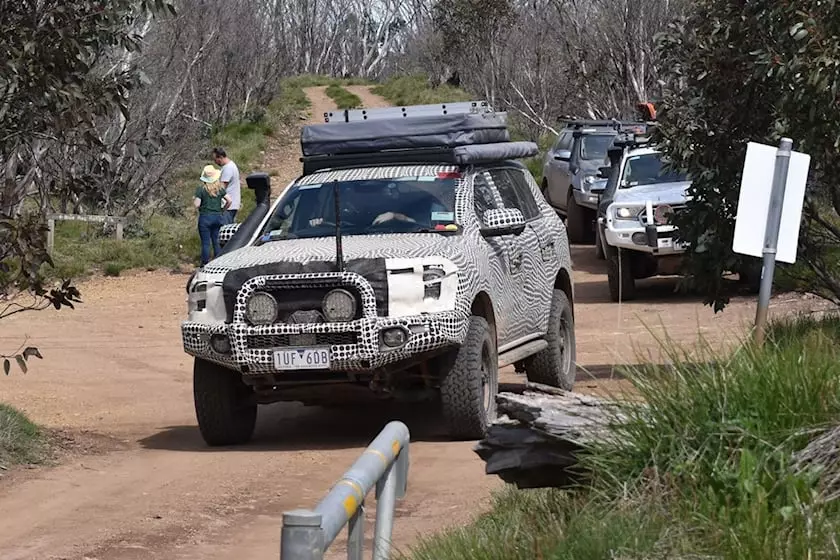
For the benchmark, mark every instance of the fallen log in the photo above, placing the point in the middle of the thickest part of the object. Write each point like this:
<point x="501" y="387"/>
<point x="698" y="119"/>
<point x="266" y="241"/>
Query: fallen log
<point x="538" y="435"/>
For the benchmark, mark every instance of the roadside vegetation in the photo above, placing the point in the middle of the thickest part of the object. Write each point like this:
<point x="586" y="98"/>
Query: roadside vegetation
<point x="21" y="441"/>
<point x="710" y="464"/>
<point x="416" y="90"/>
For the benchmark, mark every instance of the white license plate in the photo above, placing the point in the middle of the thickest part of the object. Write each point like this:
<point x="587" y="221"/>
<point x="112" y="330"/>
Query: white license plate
<point x="665" y="242"/>
<point x="302" y="358"/>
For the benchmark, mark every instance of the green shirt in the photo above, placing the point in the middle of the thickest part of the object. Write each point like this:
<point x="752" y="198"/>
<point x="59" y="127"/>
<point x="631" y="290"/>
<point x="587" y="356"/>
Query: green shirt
<point x="210" y="204"/>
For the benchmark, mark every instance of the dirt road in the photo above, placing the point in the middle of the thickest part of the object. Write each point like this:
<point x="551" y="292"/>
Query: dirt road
<point x="138" y="481"/>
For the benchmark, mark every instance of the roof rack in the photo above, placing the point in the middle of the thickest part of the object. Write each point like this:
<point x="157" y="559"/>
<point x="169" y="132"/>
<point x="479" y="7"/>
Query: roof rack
<point x="631" y="139"/>
<point x="615" y="124"/>
<point x="409" y="111"/>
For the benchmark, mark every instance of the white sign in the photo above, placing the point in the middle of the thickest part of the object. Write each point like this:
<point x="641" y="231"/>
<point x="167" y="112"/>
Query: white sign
<point x="754" y="202"/>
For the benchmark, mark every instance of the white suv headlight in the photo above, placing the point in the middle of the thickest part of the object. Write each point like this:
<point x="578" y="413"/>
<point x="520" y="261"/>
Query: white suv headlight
<point x="626" y="213"/>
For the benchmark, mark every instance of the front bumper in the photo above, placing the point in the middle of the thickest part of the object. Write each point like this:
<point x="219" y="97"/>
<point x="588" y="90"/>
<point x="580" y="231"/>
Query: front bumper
<point x="655" y="240"/>
<point x="586" y="199"/>
<point x="354" y="346"/>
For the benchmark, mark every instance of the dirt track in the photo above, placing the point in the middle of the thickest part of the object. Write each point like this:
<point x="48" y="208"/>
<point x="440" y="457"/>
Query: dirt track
<point x="138" y="481"/>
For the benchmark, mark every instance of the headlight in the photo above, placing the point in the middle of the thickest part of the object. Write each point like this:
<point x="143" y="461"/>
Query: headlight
<point x="589" y="179"/>
<point x="339" y="305"/>
<point x="261" y="309"/>
<point x="431" y="281"/>
<point x="626" y="213"/>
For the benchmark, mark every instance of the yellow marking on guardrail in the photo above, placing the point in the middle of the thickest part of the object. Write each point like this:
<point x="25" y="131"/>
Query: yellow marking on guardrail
<point x="351" y="504"/>
<point x="353" y="485"/>
<point x="378" y="454"/>
<point x="395" y="447"/>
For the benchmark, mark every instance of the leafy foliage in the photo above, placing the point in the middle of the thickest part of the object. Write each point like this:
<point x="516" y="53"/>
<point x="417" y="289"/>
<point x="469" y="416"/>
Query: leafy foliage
<point x="52" y="91"/>
<point x="755" y="71"/>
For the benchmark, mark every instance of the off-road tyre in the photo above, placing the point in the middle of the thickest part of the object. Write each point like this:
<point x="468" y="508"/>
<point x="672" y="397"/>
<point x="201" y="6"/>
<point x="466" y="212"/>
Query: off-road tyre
<point x="620" y="276"/>
<point x="468" y="392"/>
<point x="224" y="406"/>
<point x="555" y="366"/>
<point x="576" y="222"/>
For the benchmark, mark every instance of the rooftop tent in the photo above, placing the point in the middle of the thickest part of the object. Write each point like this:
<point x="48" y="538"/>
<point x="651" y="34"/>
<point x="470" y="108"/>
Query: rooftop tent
<point x="460" y="133"/>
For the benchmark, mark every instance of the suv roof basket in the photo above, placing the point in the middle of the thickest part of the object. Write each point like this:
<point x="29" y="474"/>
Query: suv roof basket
<point x="431" y="110"/>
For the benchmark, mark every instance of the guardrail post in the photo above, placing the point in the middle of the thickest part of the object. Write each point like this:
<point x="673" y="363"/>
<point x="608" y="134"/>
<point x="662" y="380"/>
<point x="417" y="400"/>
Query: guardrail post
<point x="301" y="537"/>
<point x="356" y="533"/>
<point x="386" y="501"/>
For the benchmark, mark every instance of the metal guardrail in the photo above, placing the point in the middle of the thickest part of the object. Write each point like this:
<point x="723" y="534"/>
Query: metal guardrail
<point x="307" y="534"/>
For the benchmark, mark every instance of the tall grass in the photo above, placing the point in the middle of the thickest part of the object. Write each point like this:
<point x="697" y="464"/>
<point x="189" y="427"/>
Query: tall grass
<point x="702" y="465"/>
<point x="21" y="441"/>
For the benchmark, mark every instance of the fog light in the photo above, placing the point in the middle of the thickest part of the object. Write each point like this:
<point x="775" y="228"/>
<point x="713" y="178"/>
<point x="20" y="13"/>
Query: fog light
<point x="261" y="309"/>
<point x="394" y="337"/>
<point x="220" y="344"/>
<point x="339" y="305"/>
<point x="639" y="238"/>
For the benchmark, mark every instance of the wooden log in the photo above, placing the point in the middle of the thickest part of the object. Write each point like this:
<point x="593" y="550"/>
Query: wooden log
<point x="536" y="440"/>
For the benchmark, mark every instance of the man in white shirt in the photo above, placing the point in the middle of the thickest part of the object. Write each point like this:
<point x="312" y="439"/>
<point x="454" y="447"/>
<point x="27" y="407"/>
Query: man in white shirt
<point x="230" y="181"/>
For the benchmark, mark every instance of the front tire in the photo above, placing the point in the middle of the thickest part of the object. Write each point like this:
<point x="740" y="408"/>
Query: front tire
<point x="555" y="366"/>
<point x="468" y="392"/>
<point x="620" y="276"/>
<point x="224" y="406"/>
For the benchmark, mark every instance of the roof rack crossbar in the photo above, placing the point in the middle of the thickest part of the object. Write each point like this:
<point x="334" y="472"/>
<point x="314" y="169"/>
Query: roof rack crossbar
<point x="435" y="109"/>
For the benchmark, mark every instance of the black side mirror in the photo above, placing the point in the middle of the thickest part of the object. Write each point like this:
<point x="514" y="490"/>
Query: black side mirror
<point x="604" y="172"/>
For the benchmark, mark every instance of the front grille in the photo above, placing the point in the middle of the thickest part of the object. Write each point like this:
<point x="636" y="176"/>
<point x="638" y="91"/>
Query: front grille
<point x="294" y="299"/>
<point x="319" y="339"/>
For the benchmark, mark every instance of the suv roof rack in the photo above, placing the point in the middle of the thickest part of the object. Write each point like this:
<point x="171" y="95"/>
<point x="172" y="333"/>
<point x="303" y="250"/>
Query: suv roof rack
<point x="448" y="133"/>
<point x="631" y="139"/>
<point x="408" y="111"/>
<point x="615" y="124"/>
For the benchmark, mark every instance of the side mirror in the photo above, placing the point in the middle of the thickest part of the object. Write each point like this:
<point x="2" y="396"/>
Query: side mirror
<point x="604" y="172"/>
<point x="563" y="155"/>
<point x="226" y="232"/>
<point x="503" y="221"/>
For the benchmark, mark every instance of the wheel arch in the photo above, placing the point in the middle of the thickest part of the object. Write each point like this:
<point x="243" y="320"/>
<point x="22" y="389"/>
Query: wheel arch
<point x="563" y="282"/>
<point x="482" y="306"/>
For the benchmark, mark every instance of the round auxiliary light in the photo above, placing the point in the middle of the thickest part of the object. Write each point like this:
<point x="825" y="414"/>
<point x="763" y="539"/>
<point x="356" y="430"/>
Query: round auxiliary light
<point x="339" y="305"/>
<point x="261" y="309"/>
<point x="662" y="214"/>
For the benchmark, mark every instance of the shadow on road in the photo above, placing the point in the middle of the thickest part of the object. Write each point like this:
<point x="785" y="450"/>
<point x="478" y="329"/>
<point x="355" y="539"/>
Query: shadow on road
<point x="294" y="427"/>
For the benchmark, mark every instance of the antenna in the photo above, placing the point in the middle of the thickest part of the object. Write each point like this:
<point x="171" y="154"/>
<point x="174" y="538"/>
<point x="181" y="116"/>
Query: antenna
<point x="339" y="249"/>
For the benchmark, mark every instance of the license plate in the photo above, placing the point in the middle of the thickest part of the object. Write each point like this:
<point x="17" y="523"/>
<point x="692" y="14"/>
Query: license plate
<point x="665" y="242"/>
<point x="302" y="358"/>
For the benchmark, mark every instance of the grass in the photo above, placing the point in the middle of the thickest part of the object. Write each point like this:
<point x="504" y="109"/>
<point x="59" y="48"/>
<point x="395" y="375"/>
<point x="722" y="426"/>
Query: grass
<point x="343" y="98"/>
<point x="703" y="468"/>
<point x="21" y="441"/>
<point x="415" y="90"/>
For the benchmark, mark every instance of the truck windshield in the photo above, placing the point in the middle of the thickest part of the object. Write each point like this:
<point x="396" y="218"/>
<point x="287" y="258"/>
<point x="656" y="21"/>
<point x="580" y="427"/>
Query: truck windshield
<point x="649" y="169"/>
<point x="368" y="207"/>
<point x="595" y="146"/>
